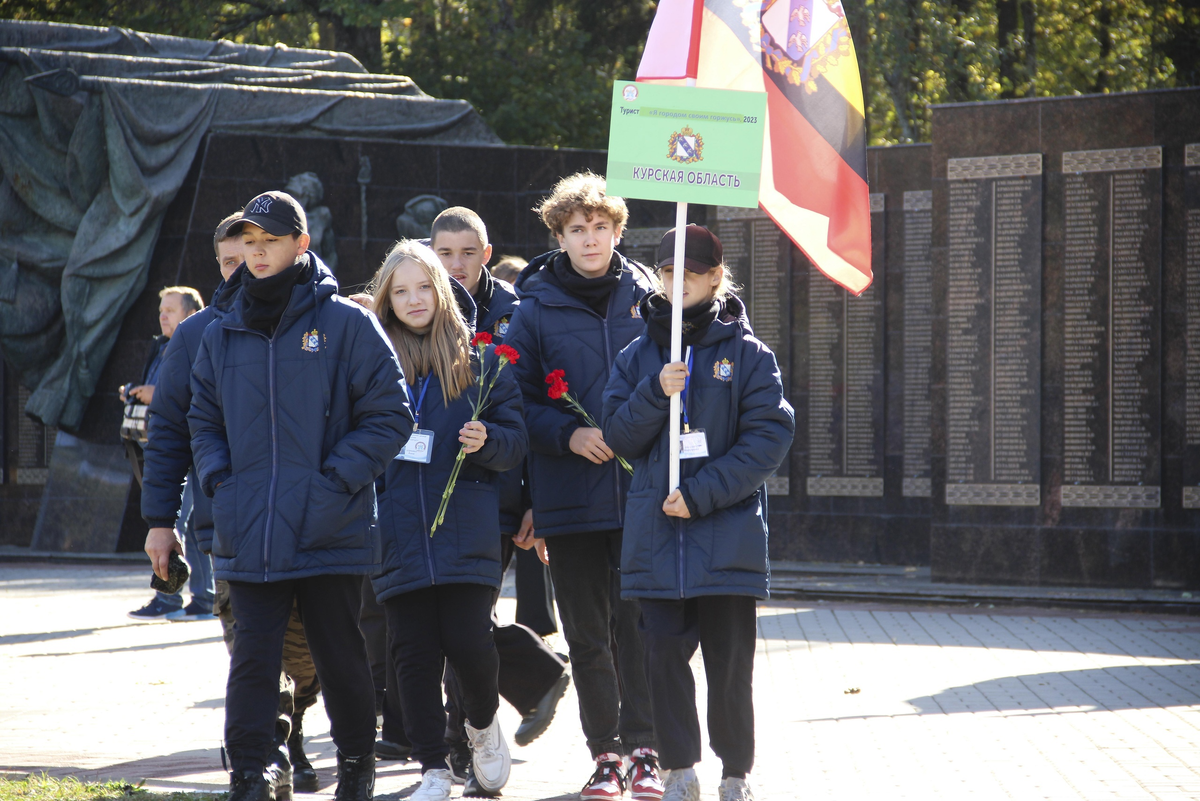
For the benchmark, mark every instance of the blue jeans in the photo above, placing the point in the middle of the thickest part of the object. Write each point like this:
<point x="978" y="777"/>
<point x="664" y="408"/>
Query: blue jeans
<point x="200" y="582"/>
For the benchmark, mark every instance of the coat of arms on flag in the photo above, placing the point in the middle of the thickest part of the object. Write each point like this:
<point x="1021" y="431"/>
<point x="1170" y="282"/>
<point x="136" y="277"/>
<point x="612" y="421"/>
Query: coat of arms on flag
<point x="686" y="146"/>
<point x="814" y="174"/>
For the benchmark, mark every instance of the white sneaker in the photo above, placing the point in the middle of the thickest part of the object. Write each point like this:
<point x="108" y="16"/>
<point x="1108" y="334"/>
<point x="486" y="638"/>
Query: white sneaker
<point x="489" y="756"/>
<point x="435" y="786"/>
<point x="682" y="785"/>
<point x="732" y="789"/>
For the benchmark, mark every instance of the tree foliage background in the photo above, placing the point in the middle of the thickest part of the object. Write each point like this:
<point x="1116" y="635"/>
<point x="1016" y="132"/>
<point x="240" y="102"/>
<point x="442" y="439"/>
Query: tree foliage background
<point x="541" y="71"/>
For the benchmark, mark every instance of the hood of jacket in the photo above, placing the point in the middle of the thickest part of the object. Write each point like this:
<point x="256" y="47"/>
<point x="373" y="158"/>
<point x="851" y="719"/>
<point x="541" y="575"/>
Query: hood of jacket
<point x="466" y="303"/>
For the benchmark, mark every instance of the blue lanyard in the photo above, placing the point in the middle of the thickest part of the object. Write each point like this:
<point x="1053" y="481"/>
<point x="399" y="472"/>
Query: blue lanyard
<point x="421" y="399"/>
<point x="686" y="383"/>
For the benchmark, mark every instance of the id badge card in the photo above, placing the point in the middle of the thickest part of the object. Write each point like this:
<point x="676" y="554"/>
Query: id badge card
<point x="419" y="447"/>
<point x="693" y="444"/>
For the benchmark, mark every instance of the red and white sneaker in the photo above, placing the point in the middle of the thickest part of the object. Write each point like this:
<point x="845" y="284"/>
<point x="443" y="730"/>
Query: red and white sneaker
<point x="606" y="783"/>
<point x="645" y="783"/>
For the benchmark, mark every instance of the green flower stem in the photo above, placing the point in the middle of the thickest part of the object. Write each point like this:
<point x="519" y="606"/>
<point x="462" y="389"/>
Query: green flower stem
<point x="587" y="418"/>
<point x="481" y="400"/>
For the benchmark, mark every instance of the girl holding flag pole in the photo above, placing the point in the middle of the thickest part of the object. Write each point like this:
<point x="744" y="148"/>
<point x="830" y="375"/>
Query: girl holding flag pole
<point x="695" y="555"/>
<point x="439" y="512"/>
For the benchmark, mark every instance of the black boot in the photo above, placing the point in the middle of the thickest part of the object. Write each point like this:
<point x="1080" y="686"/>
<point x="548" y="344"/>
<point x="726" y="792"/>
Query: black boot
<point x="304" y="777"/>
<point x="249" y="785"/>
<point x="279" y="774"/>
<point x="356" y="777"/>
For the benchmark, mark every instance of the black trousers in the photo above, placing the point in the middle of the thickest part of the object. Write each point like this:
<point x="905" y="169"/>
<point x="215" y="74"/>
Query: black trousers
<point x="535" y="594"/>
<point x="426" y="628"/>
<point x="602" y="634"/>
<point x="373" y="622"/>
<point x="725" y="628"/>
<point x="329" y="607"/>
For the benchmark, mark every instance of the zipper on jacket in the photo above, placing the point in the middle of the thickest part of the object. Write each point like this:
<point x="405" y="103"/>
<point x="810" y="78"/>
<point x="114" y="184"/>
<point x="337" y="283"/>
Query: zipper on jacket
<point x="425" y="537"/>
<point x="274" y="460"/>
<point x="679" y="545"/>
<point x="608" y="361"/>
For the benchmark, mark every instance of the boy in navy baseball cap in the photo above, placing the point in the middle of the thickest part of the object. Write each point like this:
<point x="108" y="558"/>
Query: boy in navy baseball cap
<point x="298" y="405"/>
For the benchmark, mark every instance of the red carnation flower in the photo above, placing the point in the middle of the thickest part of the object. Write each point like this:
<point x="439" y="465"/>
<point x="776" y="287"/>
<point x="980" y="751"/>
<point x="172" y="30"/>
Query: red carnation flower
<point x="482" y="338"/>
<point x="555" y="375"/>
<point x="507" y="352"/>
<point x="557" y="389"/>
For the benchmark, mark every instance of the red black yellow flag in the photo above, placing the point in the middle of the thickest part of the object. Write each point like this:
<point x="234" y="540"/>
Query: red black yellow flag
<point x="814" y="178"/>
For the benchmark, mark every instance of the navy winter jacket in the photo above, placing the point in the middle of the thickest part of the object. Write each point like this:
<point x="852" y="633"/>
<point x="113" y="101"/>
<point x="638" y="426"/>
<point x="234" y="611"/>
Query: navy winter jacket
<point x="494" y="318"/>
<point x="736" y="395"/>
<point x="294" y="428"/>
<point x="169" y="446"/>
<point x="465" y="549"/>
<point x="554" y="330"/>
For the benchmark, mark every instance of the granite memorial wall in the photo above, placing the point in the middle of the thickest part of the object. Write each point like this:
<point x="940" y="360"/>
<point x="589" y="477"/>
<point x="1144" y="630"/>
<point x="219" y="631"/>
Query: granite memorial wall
<point x="1065" y="341"/>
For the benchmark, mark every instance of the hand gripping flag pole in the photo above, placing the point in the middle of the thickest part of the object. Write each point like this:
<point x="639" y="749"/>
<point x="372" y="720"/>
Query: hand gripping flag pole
<point x="677" y="333"/>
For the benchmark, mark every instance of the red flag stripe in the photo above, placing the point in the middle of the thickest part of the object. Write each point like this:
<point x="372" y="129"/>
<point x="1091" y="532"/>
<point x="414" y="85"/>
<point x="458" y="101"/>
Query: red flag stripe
<point x="814" y="176"/>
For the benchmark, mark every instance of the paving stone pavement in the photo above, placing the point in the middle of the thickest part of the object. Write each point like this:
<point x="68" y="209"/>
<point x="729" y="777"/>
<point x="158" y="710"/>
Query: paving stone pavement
<point x="853" y="700"/>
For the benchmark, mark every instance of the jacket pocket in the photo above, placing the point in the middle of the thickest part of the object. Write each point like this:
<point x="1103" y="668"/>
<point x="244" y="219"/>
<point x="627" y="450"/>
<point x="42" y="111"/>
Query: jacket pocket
<point x="224" y="516"/>
<point x="333" y="518"/>
<point x="473" y="520"/>
<point x="645" y="523"/>
<point x="738" y="538"/>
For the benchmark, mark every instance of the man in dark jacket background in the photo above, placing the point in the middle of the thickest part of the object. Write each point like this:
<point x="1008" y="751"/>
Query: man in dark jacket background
<point x="176" y="305"/>
<point x="578" y="309"/>
<point x="298" y="405"/>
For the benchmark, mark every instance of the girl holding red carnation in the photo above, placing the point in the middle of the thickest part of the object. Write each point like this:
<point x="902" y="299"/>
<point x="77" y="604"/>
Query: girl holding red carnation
<point x="437" y="587"/>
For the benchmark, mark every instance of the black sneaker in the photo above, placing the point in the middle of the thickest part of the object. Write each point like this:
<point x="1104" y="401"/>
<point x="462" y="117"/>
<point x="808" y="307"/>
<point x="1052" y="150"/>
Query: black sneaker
<point x="387" y="750"/>
<point x="472" y="788"/>
<point x="304" y="776"/>
<point x="356" y="777"/>
<point x="535" y="722"/>
<point x="249" y="785"/>
<point x="157" y="609"/>
<point x="460" y="761"/>
<point x="279" y="773"/>
<point x="196" y="611"/>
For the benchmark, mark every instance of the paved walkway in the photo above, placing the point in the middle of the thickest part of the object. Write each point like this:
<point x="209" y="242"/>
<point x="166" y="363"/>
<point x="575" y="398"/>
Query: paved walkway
<point x="853" y="701"/>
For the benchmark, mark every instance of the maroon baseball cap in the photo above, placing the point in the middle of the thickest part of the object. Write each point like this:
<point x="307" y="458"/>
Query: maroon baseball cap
<point x="701" y="249"/>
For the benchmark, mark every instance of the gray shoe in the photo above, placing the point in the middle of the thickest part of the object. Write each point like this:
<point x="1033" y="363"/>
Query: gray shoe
<point x="681" y="785"/>
<point x="732" y="789"/>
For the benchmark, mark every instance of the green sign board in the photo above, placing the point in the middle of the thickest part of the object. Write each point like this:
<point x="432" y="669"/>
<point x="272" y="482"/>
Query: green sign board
<point x="685" y="144"/>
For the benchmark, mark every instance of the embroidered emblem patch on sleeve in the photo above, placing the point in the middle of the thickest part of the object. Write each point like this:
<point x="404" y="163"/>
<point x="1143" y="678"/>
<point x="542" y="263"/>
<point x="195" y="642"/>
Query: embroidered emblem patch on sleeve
<point x="312" y="342"/>
<point x="723" y="370"/>
<point x="500" y="329"/>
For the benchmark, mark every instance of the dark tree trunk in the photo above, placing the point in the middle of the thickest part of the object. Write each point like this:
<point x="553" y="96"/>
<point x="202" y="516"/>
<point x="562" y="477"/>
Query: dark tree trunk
<point x="1007" y="20"/>
<point x="1104" y="37"/>
<point x="1029" y="24"/>
<point x="856" y="16"/>
<point x="364" y="42"/>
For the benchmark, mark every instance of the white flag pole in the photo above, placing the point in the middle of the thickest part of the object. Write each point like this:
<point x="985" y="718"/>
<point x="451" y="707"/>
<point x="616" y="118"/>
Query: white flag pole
<point x="677" y="335"/>
<point x="677" y="332"/>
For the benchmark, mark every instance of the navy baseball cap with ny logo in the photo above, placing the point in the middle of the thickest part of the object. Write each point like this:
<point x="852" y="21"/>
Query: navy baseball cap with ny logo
<point x="276" y="213"/>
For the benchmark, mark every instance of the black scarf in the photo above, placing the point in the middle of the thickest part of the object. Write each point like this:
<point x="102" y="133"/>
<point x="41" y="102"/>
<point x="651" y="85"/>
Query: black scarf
<point x="592" y="291"/>
<point x="656" y="310"/>
<point x="264" y="300"/>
